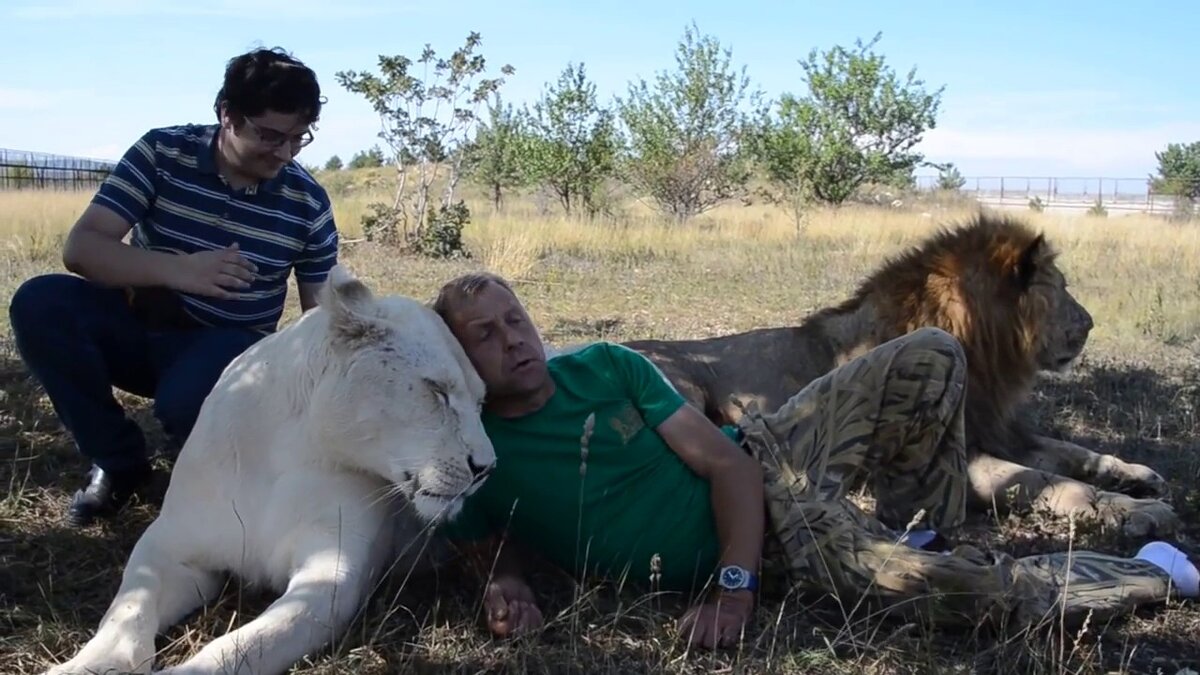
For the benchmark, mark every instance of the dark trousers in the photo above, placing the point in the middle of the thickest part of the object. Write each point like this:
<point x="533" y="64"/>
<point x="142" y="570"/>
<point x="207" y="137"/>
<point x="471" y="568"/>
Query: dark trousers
<point x="80" y="339"/>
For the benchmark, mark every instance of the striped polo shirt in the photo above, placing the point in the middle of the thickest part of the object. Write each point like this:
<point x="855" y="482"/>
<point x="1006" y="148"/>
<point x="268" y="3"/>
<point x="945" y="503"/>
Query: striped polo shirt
<point x="168" y="188"/>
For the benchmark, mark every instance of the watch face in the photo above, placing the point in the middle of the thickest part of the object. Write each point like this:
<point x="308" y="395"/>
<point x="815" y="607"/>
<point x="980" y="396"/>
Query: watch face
<point x="733" y="577"/>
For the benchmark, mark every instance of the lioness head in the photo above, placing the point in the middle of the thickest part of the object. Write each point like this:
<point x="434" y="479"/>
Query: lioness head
<point x="399" y="397"/>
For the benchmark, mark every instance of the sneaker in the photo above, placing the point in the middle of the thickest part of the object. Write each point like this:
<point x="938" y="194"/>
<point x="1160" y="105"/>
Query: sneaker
<point x="1184" y="575"/>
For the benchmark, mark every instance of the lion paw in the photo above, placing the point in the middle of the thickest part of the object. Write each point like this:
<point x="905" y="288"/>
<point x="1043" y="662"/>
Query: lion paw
<point x="1137" y="480"/>
<point x="1138" y="518"/>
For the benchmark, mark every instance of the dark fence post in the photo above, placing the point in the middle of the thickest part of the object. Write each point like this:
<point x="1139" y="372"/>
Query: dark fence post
<point x="21" y="169"/>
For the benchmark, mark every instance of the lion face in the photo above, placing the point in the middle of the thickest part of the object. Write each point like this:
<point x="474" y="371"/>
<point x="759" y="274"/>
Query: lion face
<point x="406" y="405"/>
<point x="1061" y="324"/>
<point x="1066" y="326"/>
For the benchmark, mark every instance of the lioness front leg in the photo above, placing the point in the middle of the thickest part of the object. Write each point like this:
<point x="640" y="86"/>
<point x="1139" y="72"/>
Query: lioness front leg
<point x="321" y="598"/>
<point x="1102" y="470"/>
<point x="158" y="588"/>
<point x="1004" y="485"/>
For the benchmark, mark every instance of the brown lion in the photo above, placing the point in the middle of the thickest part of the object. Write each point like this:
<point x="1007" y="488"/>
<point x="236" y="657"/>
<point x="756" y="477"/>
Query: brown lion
<point x="994" y="284"/>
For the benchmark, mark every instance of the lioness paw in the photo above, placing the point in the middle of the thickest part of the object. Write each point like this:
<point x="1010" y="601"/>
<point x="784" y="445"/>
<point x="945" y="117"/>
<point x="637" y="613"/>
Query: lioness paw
<point x="108" y="666"/>
<point x="1138" y="518"/>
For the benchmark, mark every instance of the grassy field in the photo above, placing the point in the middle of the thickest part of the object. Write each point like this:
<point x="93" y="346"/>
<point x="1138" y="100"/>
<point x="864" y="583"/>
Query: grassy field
<point x="738" y="267"/>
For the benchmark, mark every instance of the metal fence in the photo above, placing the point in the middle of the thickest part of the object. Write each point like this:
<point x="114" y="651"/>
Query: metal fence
<point x="21" y="170"/>
<point x="1131" y="195"/>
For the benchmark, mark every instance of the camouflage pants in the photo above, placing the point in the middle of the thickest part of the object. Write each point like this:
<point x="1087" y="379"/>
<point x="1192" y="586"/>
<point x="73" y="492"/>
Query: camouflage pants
<point x="894" y="418"/>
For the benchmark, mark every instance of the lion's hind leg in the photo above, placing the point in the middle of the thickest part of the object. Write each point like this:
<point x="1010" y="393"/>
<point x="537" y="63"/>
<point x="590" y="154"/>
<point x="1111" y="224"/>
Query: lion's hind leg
<point x="158" y="588"/>
<point x="1004" y="485"/>
<point x="1102" y="470"/>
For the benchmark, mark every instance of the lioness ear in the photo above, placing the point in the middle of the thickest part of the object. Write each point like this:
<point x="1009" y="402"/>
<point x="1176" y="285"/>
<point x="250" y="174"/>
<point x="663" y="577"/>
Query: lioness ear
<point x="348" y="300"/>
<point x="1027" y="263"/>
<point x="343" y="291"/>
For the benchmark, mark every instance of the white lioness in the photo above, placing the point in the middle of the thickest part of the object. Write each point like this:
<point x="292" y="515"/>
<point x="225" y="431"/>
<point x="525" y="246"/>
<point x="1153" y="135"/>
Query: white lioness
<point x="289" y="479"/>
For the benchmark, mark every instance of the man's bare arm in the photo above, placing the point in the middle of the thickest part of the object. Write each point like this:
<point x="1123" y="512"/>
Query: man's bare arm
<point x="309" y="292"/>
<point x="94" y="250"/>
<point x="736" y="480"/>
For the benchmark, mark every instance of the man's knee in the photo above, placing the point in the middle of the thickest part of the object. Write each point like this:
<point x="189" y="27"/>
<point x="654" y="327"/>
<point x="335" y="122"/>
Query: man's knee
<point x="936" y="361"/>
<point x="38" y="303"/>
<point x="929" y="344"/>
<point x="938" y="340"/>
<point x="177" y="409"/>
<point x="187" y="383"/>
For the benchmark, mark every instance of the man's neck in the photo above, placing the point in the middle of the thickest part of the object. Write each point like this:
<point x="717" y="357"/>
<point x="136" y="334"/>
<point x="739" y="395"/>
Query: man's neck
<point x="227" y="168"/>
<point x="520" y="405"/>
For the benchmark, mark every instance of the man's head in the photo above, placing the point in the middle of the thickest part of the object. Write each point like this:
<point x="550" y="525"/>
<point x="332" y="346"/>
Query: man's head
<point x="499" y="338"/>
<point x="266" y="106"/>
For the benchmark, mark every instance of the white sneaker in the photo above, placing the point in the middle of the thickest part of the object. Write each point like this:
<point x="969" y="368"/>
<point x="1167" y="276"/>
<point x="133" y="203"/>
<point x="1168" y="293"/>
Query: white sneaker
<point x="1184" y="575"/>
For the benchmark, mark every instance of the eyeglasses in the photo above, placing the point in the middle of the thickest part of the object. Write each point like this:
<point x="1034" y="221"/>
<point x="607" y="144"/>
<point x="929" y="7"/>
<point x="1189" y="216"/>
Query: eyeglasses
<point x="274" y="139"/>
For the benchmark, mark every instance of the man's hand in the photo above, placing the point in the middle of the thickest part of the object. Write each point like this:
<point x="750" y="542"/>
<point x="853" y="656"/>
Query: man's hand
<point x="510" y="606"/>
<point x="213" y="273"/>
<point x="718" y="622"/>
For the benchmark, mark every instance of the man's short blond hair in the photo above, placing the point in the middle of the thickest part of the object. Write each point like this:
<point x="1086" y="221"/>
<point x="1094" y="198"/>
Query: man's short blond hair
<point x="464" y="287"/>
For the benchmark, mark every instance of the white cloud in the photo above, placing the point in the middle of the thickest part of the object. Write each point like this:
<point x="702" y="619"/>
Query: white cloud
<point x="1089" y="151"/>
<point x="268" y="9"/>
<point x="1089" y="132"/>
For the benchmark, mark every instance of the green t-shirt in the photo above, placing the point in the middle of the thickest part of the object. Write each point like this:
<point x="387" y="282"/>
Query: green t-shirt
<point x="636" y="498"/>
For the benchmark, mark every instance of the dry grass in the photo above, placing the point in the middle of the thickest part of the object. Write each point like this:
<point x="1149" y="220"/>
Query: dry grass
<point x="629" y="277"/>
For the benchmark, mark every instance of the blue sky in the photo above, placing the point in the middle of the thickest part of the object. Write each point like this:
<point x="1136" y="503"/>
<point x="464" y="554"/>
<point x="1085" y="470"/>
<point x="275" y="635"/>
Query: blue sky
<point x="1058" y="88"/>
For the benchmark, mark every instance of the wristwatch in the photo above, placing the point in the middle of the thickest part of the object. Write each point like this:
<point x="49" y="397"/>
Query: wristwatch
<point x="735" y="578"/>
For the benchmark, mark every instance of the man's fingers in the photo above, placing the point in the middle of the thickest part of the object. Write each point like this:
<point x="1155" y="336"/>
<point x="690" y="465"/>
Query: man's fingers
<point x="514" y="617"/>
<point x="730" y="634"/>
<point x="231" y="254"/>
<point x="239" y="261"/>
<point x="530" y="617"/>
<point x="238" y="271"/>
<point x="228" y="281"/>
<point x="494" y="604"/>
<point x="216" y="291"/>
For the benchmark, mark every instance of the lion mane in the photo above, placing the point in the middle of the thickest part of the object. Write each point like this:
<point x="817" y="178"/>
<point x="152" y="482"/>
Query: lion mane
<point x="995" y="285"/>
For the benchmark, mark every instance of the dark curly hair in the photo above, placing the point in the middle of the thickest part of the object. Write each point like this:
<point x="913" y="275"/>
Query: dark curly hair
<point x="269" y="79"/>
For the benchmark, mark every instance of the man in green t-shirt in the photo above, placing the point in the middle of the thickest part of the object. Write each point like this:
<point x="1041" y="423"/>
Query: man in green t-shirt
<point x="603" y="469"/>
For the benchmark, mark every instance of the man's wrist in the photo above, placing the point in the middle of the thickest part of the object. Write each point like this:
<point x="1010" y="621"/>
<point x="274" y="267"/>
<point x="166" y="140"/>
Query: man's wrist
<point x="740" y="596"/>
<point x="734" y="577"/>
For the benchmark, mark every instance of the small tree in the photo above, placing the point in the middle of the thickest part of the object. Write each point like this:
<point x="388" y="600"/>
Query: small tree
<point x="949" y="178"/>
<point x="426" y="120"/>
<point x="573" y="144"/>
<point x="496" y="156"/>
<point x="367" y="159"/>
<point x="785" y="151"/>
<point x="858" y="123"/>
<point x="1179" y="175"/>
<point x="685" y="132"/>
<point x="334" y="164"/>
